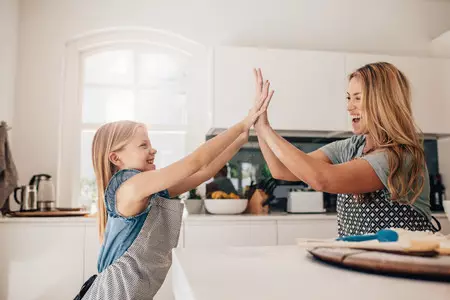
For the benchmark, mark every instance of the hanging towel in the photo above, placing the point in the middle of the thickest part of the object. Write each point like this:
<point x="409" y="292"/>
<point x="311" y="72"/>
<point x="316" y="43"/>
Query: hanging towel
<point x="8" y="171"/>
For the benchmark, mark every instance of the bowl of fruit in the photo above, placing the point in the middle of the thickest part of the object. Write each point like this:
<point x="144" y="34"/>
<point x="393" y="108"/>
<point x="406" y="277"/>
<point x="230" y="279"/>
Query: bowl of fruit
<point x="221" y="203"/>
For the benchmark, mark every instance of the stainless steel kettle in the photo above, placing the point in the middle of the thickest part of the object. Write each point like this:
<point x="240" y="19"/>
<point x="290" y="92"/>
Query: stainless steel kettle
<point x="46" y="199"/>
<point x="27" y="198"/>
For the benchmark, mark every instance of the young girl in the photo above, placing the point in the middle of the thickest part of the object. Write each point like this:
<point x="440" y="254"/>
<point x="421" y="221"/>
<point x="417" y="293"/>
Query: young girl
<point x="138" y="224"/>
<point x="379" y="174"/>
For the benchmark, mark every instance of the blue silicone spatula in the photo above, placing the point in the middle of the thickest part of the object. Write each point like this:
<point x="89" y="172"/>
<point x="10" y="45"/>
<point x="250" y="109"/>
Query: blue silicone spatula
<point x="384" y="235"/>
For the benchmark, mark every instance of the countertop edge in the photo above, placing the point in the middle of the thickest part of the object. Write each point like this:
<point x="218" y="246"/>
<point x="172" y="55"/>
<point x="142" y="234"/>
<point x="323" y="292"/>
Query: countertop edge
<point x="188" y="218"/>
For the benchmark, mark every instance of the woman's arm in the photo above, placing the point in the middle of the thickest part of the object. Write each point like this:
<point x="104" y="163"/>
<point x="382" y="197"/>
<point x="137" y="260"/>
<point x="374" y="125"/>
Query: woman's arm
<point x="211" y="169"/>
<point x="352" y="177"/>
<point x="276" y="167"/>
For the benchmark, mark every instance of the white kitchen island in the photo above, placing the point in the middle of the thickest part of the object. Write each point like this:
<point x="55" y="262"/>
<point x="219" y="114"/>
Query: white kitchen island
<point x="284" y="272"/>
<point x="34" y="249"/>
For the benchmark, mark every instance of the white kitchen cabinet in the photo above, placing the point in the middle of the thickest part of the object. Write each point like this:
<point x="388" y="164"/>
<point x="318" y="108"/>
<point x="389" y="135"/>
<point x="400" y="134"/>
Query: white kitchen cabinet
<point x="91" y="250"/>
<point x="51" y="259"/>
<point x="439" y="80"/>
<point x="181" y="237"/>
<point x="41" y="261"/>
<point x="226" y="233"/>
<point x="428" y="78"/>
<point x="290" y="230"/>
<point x="309" y="87"/>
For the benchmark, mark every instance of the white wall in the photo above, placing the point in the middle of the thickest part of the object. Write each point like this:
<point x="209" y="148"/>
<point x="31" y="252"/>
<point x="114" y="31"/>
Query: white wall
<point x="9" y="22"/>
<point x="386" y="26"/>
<point x="440" y="46"/>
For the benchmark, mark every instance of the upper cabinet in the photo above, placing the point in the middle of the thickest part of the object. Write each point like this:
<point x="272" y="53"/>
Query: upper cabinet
<point x="430" y="89"/>
<point x="438" y="100"/>
<point x="309" y="87"/>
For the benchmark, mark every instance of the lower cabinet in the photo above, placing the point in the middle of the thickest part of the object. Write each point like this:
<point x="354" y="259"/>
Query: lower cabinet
<point x="229" y="233"/>
<point x="288" y="231"/>
<point x="41" y="261"/>
<point x="255" y="233"/>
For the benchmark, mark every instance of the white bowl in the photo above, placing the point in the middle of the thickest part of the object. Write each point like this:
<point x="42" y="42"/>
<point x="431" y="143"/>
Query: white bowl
<point x="446" y="204"/>
<point x="226" y="206"/>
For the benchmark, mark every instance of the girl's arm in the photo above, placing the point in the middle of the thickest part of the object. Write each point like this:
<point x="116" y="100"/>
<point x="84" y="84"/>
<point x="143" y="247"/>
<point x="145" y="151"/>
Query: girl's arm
<point x="211" y="169"/>
<point x="132" y="195"/>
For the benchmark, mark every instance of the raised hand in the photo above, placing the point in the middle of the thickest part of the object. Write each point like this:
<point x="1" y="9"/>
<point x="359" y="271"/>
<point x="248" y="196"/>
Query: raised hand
<point x="262" y="100"/>
<point x="262" y="92"/>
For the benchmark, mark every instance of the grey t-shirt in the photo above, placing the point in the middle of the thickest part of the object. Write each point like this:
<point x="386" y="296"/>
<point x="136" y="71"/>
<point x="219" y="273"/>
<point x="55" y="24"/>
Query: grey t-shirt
<point x="345" y="150"/>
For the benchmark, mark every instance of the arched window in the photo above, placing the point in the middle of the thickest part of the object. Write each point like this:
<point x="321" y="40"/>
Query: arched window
<point x="148" y="79"/>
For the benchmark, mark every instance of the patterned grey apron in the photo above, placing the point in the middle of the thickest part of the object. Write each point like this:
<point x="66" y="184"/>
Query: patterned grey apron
<point x="141" y="270"/>
<point x="369" y="213"/>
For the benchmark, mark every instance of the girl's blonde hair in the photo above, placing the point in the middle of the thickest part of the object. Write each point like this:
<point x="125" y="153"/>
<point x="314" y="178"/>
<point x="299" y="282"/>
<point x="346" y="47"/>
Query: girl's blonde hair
<point x="388" y="120"/>
<point x="111" y="137"/>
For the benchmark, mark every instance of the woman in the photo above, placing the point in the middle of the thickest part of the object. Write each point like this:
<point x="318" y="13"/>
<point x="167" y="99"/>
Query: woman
<point x="379" y="174"/>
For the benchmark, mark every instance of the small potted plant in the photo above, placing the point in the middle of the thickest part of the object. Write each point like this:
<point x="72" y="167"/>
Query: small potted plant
<point x="194" y="202"/>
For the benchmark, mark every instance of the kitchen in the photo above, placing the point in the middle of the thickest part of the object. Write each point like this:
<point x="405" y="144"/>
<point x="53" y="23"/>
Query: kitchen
<point x="299" y="44"/>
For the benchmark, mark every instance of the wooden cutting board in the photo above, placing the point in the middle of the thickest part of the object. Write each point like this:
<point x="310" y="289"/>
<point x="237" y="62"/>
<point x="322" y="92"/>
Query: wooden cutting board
<point x="437" y="267"/>
<point x="55" y="213"/>
<point x="427" y="248"/>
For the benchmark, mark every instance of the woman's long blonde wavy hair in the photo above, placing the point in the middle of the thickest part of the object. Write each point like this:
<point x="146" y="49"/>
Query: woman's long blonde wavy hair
<point x="111" y="137"/>
<point x="388" y="120"/>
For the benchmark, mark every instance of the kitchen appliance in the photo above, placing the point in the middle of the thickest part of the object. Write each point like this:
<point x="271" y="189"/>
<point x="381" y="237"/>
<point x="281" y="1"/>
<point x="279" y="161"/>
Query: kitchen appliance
<point x="46" y="199"/>
<point x="27" y="198"/>
<point x="305" y="201"/>
<point x="437" y="192"/>
<point x="46" y="205"/>
<point x="330" y="202"/>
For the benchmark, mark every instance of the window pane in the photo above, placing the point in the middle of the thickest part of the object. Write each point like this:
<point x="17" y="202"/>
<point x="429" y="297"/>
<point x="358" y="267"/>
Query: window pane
<point x="109" y="67"/>
<point x="161" y="107"/>
<point x="144" y="87"/>
<point x="88" y="189"/>
<point x="170" y="146"/>
<point x="107" y="104"/>
<point x="154" y="67"/>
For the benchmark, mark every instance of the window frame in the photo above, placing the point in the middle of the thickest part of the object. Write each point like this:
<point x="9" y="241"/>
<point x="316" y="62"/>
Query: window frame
<point x="71" y="124"/>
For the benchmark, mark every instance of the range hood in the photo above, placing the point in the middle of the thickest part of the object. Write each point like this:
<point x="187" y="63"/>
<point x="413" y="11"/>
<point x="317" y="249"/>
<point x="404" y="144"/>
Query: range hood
<point x="295" y="133"/>
<point x="319" y="134"/>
